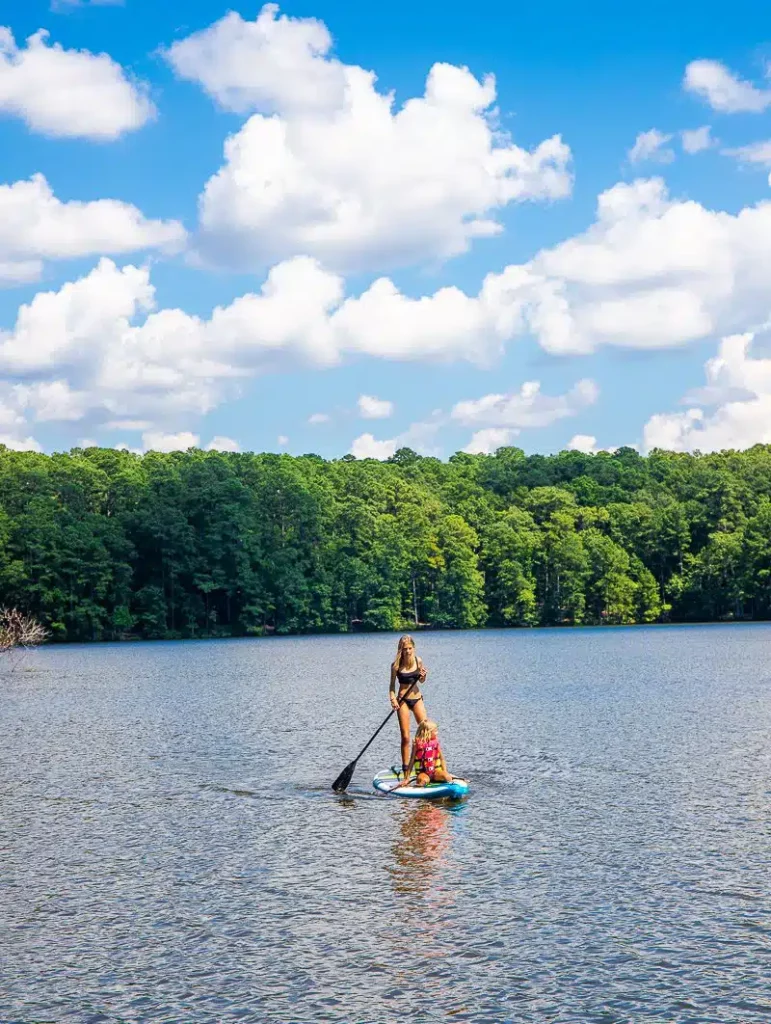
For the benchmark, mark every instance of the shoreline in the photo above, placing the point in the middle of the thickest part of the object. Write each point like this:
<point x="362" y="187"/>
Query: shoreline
<point x="273" y="636"/>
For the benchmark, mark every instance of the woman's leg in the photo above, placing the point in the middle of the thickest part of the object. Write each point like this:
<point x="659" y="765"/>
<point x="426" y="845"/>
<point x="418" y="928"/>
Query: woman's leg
<point x="403" y="715"/>
<point x="419" y="711"/>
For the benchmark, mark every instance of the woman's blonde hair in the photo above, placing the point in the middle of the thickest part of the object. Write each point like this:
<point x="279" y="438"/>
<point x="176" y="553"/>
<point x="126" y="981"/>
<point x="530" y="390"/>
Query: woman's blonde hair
<point x="403" y="641"/>
<point x="426" y="729"/>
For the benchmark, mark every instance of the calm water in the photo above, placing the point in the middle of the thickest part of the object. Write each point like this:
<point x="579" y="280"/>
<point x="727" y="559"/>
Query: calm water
<point x="171" y="849"/>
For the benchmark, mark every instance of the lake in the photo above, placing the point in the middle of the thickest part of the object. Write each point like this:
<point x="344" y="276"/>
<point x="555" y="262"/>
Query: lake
<point x="172" y="850"/>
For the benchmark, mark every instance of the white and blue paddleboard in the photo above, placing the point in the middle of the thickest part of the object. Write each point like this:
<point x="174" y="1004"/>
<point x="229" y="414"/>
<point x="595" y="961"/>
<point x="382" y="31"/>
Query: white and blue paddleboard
<point x="386" y="782"/>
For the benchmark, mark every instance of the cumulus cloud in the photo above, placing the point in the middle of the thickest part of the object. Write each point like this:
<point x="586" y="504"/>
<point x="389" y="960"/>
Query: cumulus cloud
<point x="733" y="410"/>
<point x="19" y="272"/>
<point x="20" y="444"/>
<point x="488" y="440"/>
<point x="36" y="226"/>
<point x="371" y="408"/>
<point x="420" y="436"/>
<point x="758" y="153"/>
<point x="651" y="145"/>
<point x="274" y="63"/>
<point x="68" y="93"/>
<point x="13" y="423"/>
<point x="585" y="443"/>
<point x="157" y="441"/>
<point x="76" y="323"/>
<point x="316" y="418"/>
<point x="104" y="327"/>
<point x="528" y="407"/>
<point x="723" y="90"/>
<point x="54" y="401"/>
<point x="328" y="166"/>
<point x="696" y="140"/>
<point x="651" y="273"/>
<point x="128" y="425"/>
<point x="223" y="444"/>
<point x="367" y="447"/>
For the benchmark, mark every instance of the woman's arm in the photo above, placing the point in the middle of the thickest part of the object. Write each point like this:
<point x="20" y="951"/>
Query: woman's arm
<point x="392" y="688"/>
<point x="423" y="671"/>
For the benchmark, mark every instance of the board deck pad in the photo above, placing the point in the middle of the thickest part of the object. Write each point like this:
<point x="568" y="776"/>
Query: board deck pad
<point x="386" y="781"/>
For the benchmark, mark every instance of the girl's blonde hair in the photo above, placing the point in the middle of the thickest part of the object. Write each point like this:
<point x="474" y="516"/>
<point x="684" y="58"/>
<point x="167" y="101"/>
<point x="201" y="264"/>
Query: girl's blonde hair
<point x="426" y="730"/>
<point x="403" y="641"/>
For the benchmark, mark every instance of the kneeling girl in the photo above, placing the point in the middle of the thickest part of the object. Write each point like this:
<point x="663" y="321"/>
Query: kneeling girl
<point x="427" y="757"/>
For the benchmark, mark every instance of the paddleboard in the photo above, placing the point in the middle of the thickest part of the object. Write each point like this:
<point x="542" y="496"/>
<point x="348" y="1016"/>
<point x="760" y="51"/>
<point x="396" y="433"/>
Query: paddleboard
<point x="386" y="781"/>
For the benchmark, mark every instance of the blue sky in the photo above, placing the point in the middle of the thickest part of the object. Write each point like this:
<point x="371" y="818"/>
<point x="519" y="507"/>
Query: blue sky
<point x="331" y="230"/>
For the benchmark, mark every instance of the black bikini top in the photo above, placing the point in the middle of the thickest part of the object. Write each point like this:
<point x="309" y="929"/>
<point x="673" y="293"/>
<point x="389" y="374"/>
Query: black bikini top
<point x="410" y="677"/>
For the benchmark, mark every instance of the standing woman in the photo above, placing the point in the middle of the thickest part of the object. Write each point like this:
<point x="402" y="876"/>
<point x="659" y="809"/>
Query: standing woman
<point x="407" y="672"/>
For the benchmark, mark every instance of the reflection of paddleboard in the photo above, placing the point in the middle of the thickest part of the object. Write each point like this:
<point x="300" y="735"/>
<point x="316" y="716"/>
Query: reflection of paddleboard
<point x="385" y="782"/>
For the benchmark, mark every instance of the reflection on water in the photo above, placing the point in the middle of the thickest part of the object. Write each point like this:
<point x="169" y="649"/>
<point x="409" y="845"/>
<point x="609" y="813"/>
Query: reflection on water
<point x="421" y="848"/>
<point x="171" y="850"/>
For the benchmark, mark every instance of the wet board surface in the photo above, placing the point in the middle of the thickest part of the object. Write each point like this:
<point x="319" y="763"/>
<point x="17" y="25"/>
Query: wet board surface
<point x="386" y="782"/>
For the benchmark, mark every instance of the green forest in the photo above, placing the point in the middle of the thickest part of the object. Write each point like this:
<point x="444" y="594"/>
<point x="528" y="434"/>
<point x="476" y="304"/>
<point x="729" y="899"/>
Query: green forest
<point x="102" y="545"/>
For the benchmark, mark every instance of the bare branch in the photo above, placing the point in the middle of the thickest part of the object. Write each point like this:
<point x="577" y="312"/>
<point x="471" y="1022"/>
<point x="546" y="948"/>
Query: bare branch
<point x="18" y="629"/>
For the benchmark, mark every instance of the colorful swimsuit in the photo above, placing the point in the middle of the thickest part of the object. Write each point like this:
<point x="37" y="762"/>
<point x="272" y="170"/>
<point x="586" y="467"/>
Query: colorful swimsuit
<point x="428" y="756"/>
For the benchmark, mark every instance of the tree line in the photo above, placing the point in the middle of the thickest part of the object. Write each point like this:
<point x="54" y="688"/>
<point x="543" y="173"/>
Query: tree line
<point x="103" y="544"/>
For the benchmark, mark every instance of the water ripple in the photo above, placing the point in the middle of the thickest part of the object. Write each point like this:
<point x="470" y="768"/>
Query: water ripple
<point x="170" y="849"/>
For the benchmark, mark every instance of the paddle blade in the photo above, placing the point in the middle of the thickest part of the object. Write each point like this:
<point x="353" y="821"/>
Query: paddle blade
<point x="343" y="780"/>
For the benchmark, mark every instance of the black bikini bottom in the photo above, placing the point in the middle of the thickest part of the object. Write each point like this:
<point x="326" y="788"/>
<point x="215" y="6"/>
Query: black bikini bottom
<point x="412" y="701"/>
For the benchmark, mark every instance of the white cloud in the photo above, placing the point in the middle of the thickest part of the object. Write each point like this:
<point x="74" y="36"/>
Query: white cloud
<point x="282" y="440"/>
<point x="528" y="407"/>
<point x="696" y="140"/>
<point x="446" y="325"/>
<point x="19" y="272"/>
<point x="36" y="226"/>
<point x="223" y="444"/>
<point x="68" y="93"/>
<point x="102" y="331"/>
<point x="649" y="273"/>
<point x="128" y="425"/>
<point x="85" y="355"/>
<point x="13" y="424"/>
<point x="367" y="447"/>
<point x="371" y="408"/>
<point x="723" y="90"/>
<point x="157" y="441"/>
<point x="651" y="145"/>
<point x="739" y="390"/>
<point x="273" y="63"/>
<point x="489" y="440"/>
<point x="76" y="323"/>
<point x="87" y="442"/>
<point x="419" y="436"/>
<point x="20" y="444"/>
<point x="54" y="401"/>
<point x="336" y="171"/>
<point x="317" y="418"/>
<point x="583" y="443"/>
<point x="756" y="153"/>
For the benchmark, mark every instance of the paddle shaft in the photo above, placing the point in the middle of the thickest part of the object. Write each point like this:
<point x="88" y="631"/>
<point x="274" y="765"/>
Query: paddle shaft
<point x="386" y="721"/>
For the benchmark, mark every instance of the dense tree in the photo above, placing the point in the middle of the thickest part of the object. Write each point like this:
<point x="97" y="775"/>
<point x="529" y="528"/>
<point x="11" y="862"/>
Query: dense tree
<point x="102" y="544"/>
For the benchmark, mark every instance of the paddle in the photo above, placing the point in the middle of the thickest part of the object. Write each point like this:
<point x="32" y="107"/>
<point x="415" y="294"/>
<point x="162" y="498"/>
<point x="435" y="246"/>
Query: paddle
<point x="343" y="780"/>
